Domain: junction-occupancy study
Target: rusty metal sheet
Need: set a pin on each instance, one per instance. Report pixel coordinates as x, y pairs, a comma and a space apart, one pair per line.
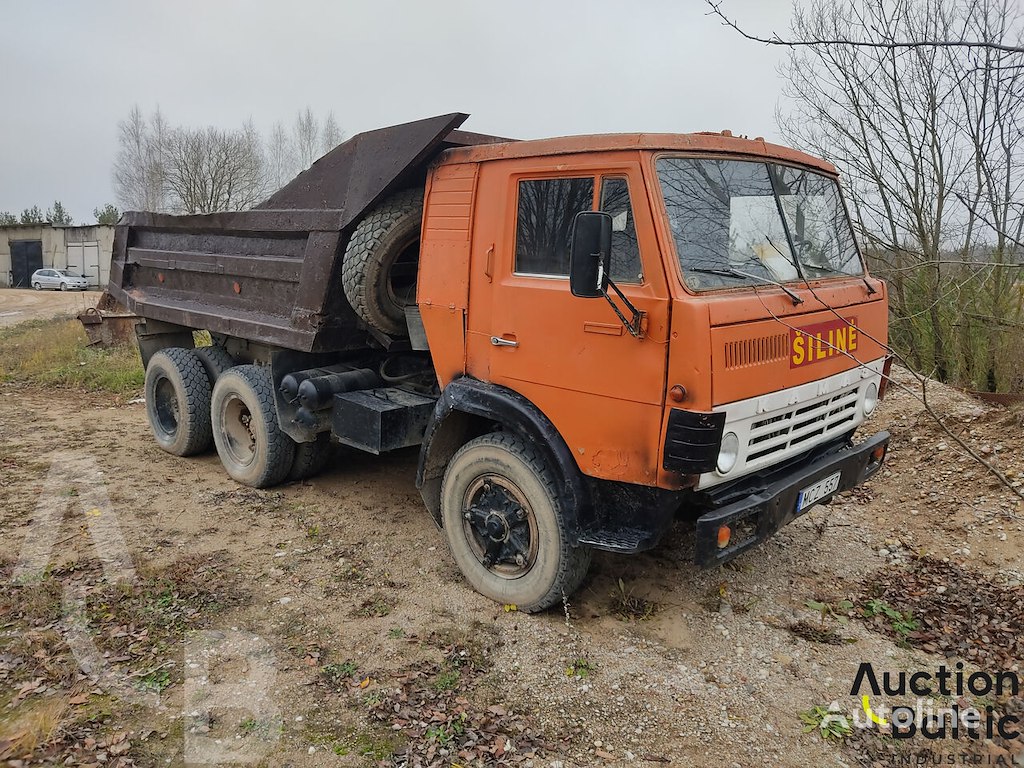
272, 274
356, 174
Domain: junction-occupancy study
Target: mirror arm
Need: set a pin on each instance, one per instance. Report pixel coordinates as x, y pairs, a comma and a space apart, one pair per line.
633, 324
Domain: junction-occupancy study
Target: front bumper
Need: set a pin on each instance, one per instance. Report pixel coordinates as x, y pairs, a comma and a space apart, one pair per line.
756, 508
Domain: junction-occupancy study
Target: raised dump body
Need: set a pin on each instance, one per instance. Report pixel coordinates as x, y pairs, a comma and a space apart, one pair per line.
273, 274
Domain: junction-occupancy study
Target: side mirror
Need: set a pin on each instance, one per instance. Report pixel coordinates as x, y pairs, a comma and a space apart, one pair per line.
590, 254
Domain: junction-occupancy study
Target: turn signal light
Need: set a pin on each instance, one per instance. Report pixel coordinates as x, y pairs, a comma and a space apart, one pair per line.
724, 535
876, 455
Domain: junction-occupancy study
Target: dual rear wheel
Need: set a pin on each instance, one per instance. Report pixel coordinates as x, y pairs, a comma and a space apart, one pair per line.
501, 510
199, 397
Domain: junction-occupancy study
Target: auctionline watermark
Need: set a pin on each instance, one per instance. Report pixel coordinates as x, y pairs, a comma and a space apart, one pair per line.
223, 671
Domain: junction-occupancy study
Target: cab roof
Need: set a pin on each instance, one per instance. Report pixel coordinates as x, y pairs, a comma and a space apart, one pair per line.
723, 143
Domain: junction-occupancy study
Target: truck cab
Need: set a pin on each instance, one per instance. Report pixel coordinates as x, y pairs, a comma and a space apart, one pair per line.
728, 371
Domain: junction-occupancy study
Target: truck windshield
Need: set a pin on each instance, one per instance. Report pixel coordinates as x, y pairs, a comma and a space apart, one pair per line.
727, 220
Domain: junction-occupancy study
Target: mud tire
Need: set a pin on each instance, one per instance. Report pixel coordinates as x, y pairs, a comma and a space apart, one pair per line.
178, 401
251, 445
378, 272
560, 564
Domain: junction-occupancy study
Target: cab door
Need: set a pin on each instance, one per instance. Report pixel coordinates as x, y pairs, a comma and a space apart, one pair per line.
602, 388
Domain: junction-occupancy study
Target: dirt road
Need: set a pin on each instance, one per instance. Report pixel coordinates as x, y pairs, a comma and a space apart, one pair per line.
18, 305
382, 655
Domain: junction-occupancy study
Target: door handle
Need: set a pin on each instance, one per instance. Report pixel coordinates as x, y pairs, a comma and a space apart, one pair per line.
500, 342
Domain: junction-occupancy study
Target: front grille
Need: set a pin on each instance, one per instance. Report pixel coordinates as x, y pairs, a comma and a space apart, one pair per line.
781, 431
744, 353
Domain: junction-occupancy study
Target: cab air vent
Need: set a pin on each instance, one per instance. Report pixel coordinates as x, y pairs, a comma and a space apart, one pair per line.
765, 349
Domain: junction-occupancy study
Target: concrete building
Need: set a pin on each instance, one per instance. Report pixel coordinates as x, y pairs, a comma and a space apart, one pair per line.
24, 248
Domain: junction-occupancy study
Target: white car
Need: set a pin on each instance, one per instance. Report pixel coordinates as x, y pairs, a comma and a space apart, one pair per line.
58, 280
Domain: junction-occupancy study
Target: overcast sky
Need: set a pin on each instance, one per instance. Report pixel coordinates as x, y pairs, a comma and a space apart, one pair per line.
527, 69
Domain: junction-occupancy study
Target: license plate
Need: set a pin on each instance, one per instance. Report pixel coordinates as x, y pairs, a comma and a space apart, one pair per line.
812, 494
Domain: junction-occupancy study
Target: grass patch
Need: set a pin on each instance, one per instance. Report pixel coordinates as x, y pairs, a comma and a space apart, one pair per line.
26, 729
628, 607
55, 353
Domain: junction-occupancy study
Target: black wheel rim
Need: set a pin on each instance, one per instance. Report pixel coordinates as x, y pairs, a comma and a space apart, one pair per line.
166, 406
500, 526
239, 438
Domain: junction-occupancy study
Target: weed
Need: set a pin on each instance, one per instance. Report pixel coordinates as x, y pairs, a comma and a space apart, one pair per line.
837, 611
629, 607
901, 622
156, 680
396, 633
445, 733
447, 679
377, 605
580, 667
365, 745
828, 723
336, 673
266, 729
313, 532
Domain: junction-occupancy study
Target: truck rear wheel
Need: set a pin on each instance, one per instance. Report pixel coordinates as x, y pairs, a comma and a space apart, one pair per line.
379, 269
178, 401
251, 445
215, 360
311, 458
504, 524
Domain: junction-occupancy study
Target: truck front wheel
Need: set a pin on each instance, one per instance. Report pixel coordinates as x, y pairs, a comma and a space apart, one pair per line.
505, 527
251, 445
178, 401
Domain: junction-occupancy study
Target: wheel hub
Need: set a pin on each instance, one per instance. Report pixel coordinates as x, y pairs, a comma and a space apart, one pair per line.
500, 526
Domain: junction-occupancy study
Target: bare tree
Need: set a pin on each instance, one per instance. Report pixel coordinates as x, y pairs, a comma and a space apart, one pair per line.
307, 138
863, 22
140, 168
211, 170
281, 163
928, 137
193, 170
330, 134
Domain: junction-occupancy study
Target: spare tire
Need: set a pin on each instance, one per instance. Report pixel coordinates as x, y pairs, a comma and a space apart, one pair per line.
378, 273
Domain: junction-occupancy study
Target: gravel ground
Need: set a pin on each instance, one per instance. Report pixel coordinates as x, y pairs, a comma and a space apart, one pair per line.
382, 655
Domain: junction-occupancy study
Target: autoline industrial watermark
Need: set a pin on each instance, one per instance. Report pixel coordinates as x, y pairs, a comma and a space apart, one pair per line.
937, 713
208, 655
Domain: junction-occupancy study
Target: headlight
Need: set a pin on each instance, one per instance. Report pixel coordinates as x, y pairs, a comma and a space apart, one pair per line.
870, 398
728, 452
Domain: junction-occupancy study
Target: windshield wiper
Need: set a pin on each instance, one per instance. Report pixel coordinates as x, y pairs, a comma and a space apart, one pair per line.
733, 272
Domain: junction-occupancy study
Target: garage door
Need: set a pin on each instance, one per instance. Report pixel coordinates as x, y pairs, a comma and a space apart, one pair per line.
26, 258
84, 258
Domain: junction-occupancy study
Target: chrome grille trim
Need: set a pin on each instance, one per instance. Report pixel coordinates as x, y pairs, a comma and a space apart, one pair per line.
774, 427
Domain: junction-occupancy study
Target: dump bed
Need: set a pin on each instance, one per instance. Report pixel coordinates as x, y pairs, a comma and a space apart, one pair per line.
272, 274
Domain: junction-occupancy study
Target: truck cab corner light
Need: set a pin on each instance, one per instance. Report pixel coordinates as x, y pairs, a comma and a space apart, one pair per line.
870, 399
728, 453
724, 535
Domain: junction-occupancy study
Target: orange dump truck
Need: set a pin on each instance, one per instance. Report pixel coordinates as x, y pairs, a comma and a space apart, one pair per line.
587, 337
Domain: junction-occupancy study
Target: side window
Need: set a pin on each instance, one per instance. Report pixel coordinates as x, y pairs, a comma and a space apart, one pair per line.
626, 264
544, 223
